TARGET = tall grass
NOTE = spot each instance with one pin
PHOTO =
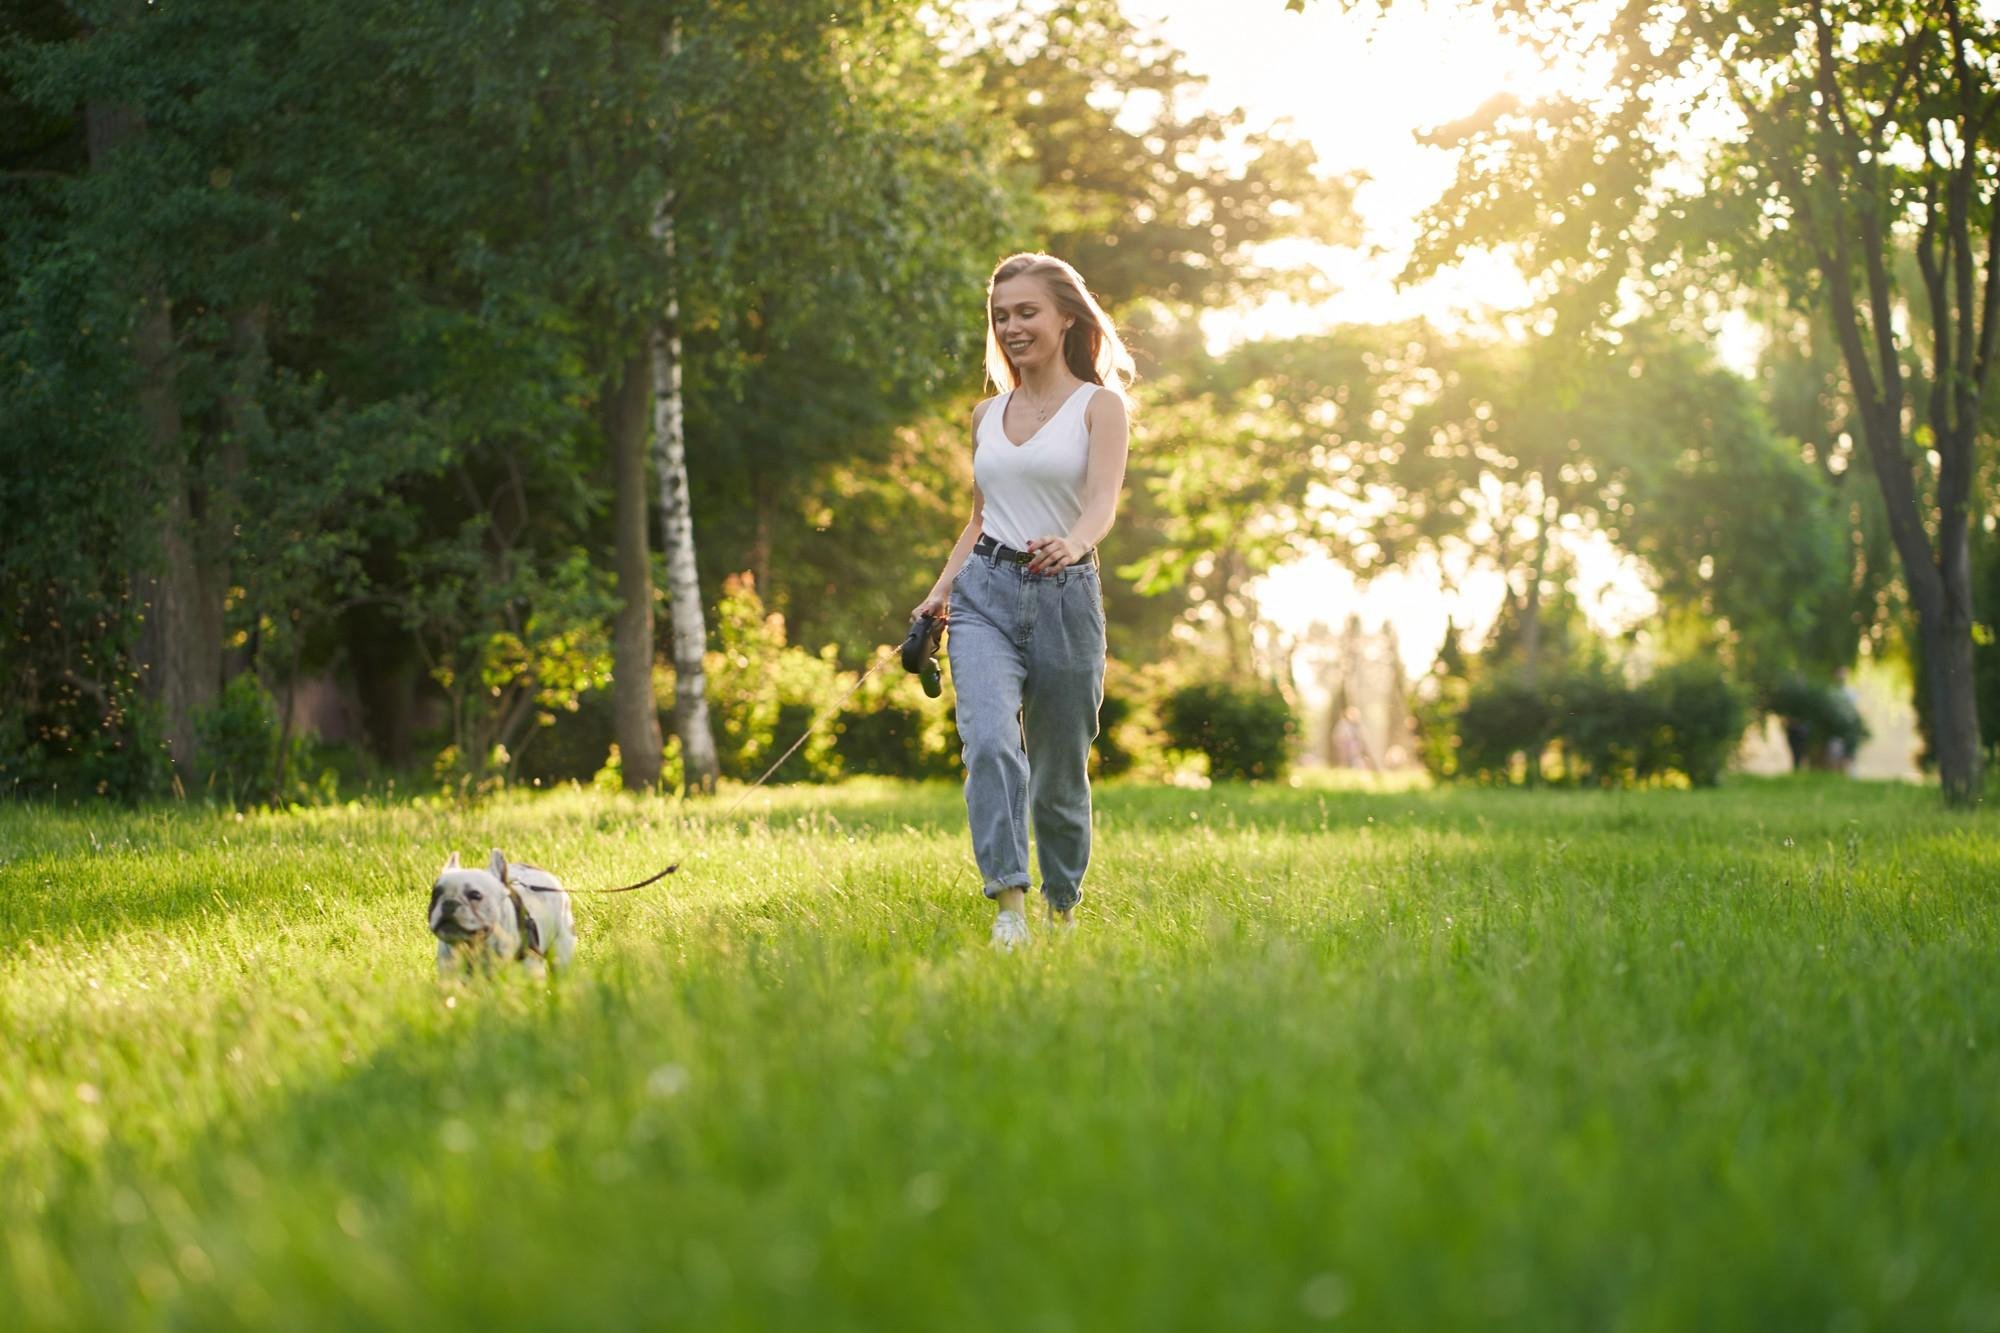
(1382, 1060)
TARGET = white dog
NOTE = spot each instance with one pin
(500, 913)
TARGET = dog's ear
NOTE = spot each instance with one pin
(451, 863)
(496, 865)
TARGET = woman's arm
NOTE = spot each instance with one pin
(1103, 480)
(937, 602)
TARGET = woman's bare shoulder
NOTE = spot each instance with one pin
(1106, 407)
(979, 408)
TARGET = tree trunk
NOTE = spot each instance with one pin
(634, 711)
(1943, 599)
(700, 767)
(178, 671)
(1531, 603)
(244, 421)
(1938, 579)
(761, 507)
(1954, 707)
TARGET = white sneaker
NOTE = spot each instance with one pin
(1010, 931)
(1061, 923)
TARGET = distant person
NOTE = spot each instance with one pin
(1350, 742)
(1798, 739)
(1021, 586)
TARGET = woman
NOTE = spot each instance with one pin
(1021, 587)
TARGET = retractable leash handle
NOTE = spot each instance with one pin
(920, 650)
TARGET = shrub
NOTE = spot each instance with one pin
(763, 693)
(87, 743)
(891, 728)
(1434, 712)
(1686, 719)
(1131, 739)
(569, 745)
(1705, 714)
(238, 736)
(1245, 731)
(1823, 710)
(1500, 719)
(1113, 758)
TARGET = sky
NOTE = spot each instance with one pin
(1361, 90)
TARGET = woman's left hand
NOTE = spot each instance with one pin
(1054, 553)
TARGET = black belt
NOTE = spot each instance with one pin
(986, 546)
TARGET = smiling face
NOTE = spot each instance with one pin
(1028, 322)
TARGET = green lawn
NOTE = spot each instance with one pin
(1376, 1060)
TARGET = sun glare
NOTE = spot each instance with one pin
(1362, 89)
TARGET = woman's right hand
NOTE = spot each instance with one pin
(937, 604)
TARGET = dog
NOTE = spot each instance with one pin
(500, 913)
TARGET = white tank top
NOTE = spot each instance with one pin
(1033, 489)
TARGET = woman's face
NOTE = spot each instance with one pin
(1027, 321)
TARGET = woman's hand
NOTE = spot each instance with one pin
(1054, 553)
(937, 604)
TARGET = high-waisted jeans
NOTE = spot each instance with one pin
(1027, 667)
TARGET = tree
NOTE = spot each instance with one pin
(1382, 445)
(1156, 199)
(1849, 130)
(407, 258)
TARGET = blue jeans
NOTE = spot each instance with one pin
(1027, 667)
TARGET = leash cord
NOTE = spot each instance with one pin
(825, 715)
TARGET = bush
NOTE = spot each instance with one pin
(1434, 712)
(1705, 716)
(891, 728)
(1823, 711)
(82, 742)
(238, 738)
(1245, 731)
(1500, 719)
(1610, 734)
(1686, 719)
(1110, 747)
(763, 693)
(569, 745)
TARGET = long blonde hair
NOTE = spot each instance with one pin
(1092, 349)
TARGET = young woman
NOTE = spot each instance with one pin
(1021, 590)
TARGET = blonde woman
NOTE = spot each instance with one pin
(1021, 590)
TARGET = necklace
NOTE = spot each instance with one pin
(1042, 411)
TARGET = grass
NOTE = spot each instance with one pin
(1416, 1060)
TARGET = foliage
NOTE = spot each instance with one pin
(1858, 134)
(436, 223)
(508, 647)
(1822, 710)
(1157, 199)
(1131, 738)
(1110, 749)
(1245, 732)
(890, 728)
(1705, 715)
(239, 743)
(72, 718)
(764, 693)
(1686, 719)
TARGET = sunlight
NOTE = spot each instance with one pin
(1360, 90)
(1421, 600)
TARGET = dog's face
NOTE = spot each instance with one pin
(469, 903)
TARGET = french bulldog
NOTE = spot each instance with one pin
(500, 913)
